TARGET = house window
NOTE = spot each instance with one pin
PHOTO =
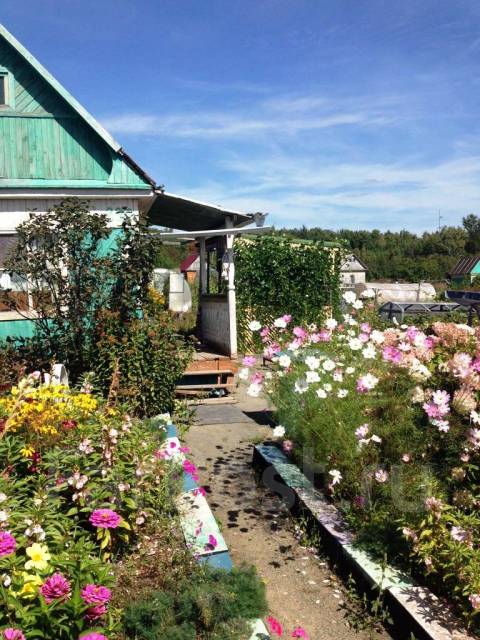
(352, 279)
(3, 90)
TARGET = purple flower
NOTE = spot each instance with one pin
(105, 519)
(190, 469)
(8, 544)
(96, 612)
(56, 587)
(212, 543)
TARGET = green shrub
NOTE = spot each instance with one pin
(213, 605)
(140, 361)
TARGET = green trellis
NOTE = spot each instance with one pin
(276, 275)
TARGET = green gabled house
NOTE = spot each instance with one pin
(51, 148)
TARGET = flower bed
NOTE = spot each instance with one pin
(388, 420)
(89, 539)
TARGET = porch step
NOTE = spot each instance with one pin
(200, 387)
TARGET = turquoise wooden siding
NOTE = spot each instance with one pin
(45, 142)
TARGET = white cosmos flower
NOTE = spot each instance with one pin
(328, 365)
(244, 373)
(350, 370)
(254, 390)
(474, 417)
(284, 361)
(419, 371)
(331, 324)
(301, 386)
(377, 337)
(279, 431)
(369, 352)
(337, 376)
(312, 362)
(357, 304)
(352, 322)
(368, 293)
(280, 323)
(321, 393)
(376, 439)
(381, 475)
(418, 395)
(328, 387)
(355, 344)
(254, 325)
(3, 516)
(336, 476)
(342, 393)
(312, 376)
(349, 297)
(3, 497)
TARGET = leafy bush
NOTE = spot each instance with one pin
(144, 356)
(74, 265)
(389, 420)
(212, 605)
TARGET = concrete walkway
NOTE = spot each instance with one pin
(258, 529)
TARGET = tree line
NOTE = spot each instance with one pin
(403, 255)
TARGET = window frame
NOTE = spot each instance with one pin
(9, 88)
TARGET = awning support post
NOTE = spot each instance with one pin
(232, 301)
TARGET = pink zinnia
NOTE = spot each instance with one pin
(95, 594)
(275, 626)
(8, 544)
(56, 587)
(96, 612)
(299, 632)
(105, 519)
(12, 634)
(93, 636)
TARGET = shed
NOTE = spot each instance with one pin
(465, 270)
(353, 271)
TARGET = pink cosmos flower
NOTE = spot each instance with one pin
(300, 333)
(299, 632)
(287, 318)
(105, 519)
(93, 636)
(8, 544)
(324, 336)
(249, 361)
(95, 594)
(257, 378)
(56, 587)
(366, 383)
(392, 354)
(275, 626)
(190, 469)
(265, 332)
(12, 634)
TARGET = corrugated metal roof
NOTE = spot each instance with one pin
(464, 265)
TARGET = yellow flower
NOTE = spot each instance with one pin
(31, 582)
(39, 557)
(27, 451)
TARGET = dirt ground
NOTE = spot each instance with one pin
(301, 590)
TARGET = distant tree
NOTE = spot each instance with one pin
(471, 224)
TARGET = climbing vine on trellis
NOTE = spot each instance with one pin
(276, 275)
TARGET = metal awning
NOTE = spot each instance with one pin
(177, 212)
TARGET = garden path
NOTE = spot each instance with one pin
(301, 590)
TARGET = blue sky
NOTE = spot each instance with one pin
(332, 113)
